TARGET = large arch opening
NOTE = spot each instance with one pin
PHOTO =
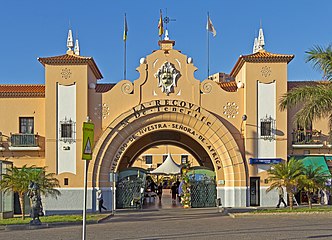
(166, 137)
(185, 125)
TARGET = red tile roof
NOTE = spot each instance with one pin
(22, 90)
(261, 56)
(104, 87)
(72, 59)
(295, 84)
(229, 86)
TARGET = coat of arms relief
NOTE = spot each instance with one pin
(167, 76)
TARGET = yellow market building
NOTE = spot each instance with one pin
(229, 123)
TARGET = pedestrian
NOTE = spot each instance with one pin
(281, 197)
(160, 190)
(174, 192)
(180, 192)
(100, 200)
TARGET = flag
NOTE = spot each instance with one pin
(210, 27)
(125, 29)
(160, 25)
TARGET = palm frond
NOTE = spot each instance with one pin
(321, 59)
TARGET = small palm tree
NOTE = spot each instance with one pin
(46, 181)
(18, 180)
(313, 179)
(286, 175)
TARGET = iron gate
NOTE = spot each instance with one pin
(129, 192)
(203, 193)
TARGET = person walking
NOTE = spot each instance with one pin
(281, 197)
(100, 200)
(174, 192)
(160, 190)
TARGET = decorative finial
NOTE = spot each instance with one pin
(70, 41)
(166, 35)
(167, 20)
(255, 48)
(77, 48)
(259, 41)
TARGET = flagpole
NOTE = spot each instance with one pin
(125, 60)
(208, 48)
(125, 52)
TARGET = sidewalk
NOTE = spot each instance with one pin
(151, 212)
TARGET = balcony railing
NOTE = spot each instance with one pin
(24, 140)
(307, 137)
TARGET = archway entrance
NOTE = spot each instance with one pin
(177, 123)
(138, 184)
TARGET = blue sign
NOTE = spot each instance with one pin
(265, 160)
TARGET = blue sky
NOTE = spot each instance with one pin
(38, 28)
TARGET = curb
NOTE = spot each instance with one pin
(105, 218)
(239, 215)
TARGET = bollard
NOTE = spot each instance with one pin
(218, 203)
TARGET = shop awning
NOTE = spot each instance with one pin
(328, 157)
(315, 161)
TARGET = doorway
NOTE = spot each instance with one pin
(254, 191)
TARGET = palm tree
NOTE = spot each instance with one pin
(313, 179)
(46, 181)
(322, 60)
(18, 180)
(286, 175)
(316, 101)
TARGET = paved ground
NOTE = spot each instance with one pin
(189, 224)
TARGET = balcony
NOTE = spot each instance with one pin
(307, 139)
(24, 142)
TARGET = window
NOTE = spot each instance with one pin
(184, 159)
(67, 131)
(148, 159)
(164, 157)
(267, 128)
(66, 181)
(26, 125)
(302, 135)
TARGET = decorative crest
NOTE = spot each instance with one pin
(167, 76)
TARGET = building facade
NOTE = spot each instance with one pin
(231, 125)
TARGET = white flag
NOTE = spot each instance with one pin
(210, 27)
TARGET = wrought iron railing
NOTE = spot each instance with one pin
(24, 140)
(307, 137)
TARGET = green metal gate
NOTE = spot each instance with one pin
(130, 189)
(203, 193)
(203, 188)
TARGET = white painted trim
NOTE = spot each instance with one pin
(24, 148)
(2, 149)
(307, 145)
(66, 98)
(266, 107)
